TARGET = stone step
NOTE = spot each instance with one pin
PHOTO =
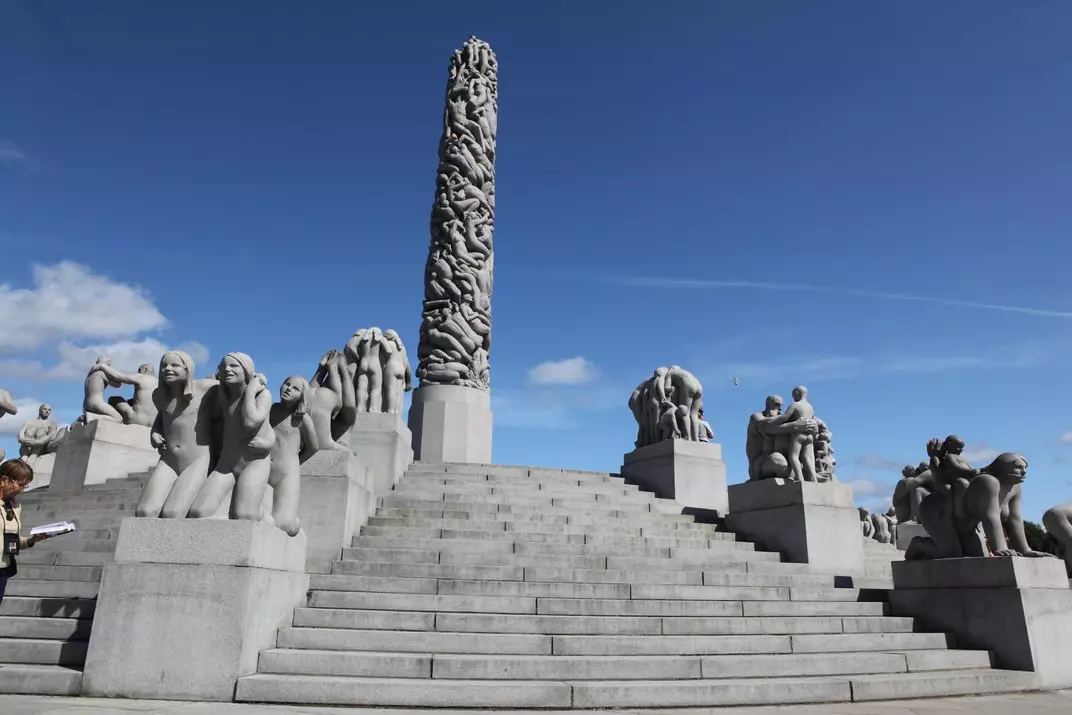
(664, 530)
(534, 589)
(76, 542)
(546, 542)
(346, 572)
(502, 478)
(47, 607)
(460, 504)
(51, 589)
(402, 692)
(516, 486)
(426, 532)
(45, 628)
(84, 520)
(64, 506)
(24, 679)
(558, 498)
(941, 684)
(39, 557)
(59, 573)
(32, 651)
(411, 641)
(507, 470)
(701, 608)
(597, 625)
(421, 602)
(425, 510)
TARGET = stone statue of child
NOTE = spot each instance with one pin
(990, 500)
(182, 433)
(881, 529)
(332, 402)
(97, 381)
(865, 523)
(395, 371)
(41, 436)
(241, 406)
(916, 483)
(295, 442)
(802, 443)
(139, 410)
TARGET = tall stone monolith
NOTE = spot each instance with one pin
(451, 412)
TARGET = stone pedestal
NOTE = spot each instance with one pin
(451, 423)
(188, 605)
(383, 442)
(906, 532)
(336, 500)
(1020, 609)
(43, 466)
(808, 522)
(691, 473)
(100, 450)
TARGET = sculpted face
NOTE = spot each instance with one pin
(231, 372)
(172, 369)
(799, 392)
(145, 369)
(44, 412)
(290, 391)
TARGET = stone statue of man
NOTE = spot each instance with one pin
(41, 436)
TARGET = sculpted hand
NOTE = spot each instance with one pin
(157, 441)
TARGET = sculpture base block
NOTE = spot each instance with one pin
(1020, 609)
(908, 531)
(808, 522)
(384, 444)
(44, 467)
(100, 450)
(691, 473)
(188, 605)
(451, 423)
(336, 500)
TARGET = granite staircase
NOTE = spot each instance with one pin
(47, 612)
(509, 587)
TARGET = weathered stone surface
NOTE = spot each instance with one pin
(384, 444)
(451, 423)
(99, 450)
(336, 500)
(691, 473)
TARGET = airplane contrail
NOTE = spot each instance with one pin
(693, 284)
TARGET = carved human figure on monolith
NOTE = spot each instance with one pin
(97, 381)
(396, 372)
(990, 499)
(332, 402)
(40, 436)
(801, 456)
(455, 335)
(139, 410)
(1058, 522)
(182, 433)
(242, 404)
(295, 442)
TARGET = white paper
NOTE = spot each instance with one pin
(60, 527)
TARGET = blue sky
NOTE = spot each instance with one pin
(828, 193)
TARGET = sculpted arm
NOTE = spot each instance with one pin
(256, 404)
(767, 424)
(114, 375)
(156, 433)
(310, 445)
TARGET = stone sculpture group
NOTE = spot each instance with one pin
(455, 332)
(879, 527)
(667, 406)
(795, 445)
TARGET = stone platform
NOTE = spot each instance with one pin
(101, 449)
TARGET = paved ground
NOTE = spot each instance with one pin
(1058, 703)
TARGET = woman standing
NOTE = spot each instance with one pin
(15, 475)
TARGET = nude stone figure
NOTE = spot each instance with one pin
(638, 405)
(331, 400)
(241, 406)
(139, 410)
(759, 444)
(1058, 522)
(881, 526)
(866, 526)
(41, 436)
(991, 500)
(688, 394)
(396, 372)
(915, 485)
(182, 433)
(295, 442)
(97, 381)
(364, 351)
(7, 407)
(802, 443)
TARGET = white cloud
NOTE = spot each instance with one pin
(10, 154)
(980, 455)
(572, 371)
(1066, 437)
(874, 461)
(75, 360)
(865, 487)
(27, 410)
(69, 302)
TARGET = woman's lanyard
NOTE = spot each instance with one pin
(11, 515)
